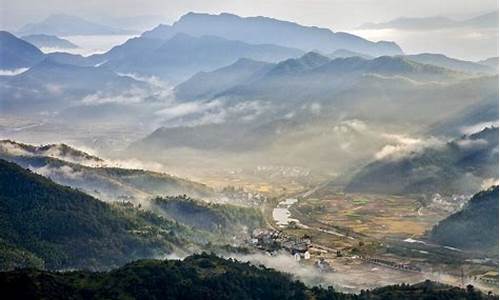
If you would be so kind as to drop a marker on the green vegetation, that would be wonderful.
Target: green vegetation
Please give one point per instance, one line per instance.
(475, 227)
(360, 202)
(43, 224)
(201, 276)
(212, 217)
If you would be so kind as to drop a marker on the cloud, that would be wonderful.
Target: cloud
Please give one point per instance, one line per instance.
(470, 144)
(315, 108)
(183, 109)
(210, 112)
(478, 127)
(345, 278)
(12, 72)
(347, 126)
(63, 171)
(133, 163)
(54, 89)
(152, 80)
(488, 182)
(131, 96)
(402, 145)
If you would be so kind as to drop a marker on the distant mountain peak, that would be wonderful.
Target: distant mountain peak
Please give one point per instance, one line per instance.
(486, 20)
(307, 61)
(266, 30)
(64, 25)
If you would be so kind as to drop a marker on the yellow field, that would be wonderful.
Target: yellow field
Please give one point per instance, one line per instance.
(375, 216)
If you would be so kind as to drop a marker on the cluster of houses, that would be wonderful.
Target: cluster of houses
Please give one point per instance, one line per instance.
(273, 241)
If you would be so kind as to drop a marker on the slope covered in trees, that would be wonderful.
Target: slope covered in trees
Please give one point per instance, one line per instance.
(475, 227)
(212, 217)
(199, 277)
(47, 225)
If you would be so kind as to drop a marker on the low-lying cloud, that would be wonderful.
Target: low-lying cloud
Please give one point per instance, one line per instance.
(12, 72)
(403, 145)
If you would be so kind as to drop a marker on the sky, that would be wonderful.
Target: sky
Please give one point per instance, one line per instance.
(345, 15)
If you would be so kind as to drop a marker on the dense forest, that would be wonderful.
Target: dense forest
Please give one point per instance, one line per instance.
(46, 225)
(475, 227)
(203, 276)
(212, 217)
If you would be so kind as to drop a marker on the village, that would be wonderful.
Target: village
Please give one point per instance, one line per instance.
(273, 241)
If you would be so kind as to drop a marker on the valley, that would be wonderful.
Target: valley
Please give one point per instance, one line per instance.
(375, 237)
(221, 156)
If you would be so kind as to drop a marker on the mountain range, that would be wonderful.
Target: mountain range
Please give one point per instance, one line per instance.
(291, 112)
(304, 77)
(263, 30)
(183, 55)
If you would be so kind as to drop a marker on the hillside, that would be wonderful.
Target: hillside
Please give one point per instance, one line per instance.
(47, 225)
(474, 228)
(17, 53)
(69, 166)
(60, 151)
(457, 167)
(183, 55)
(225, 219)
(201, 276)
(481, 113)
(205, 85)
(452, 63)
(313, 76)
(51, 85)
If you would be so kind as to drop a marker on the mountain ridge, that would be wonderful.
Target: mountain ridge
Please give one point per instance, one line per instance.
(278, 32)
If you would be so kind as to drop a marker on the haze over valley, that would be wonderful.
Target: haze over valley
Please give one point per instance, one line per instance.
(342, 160)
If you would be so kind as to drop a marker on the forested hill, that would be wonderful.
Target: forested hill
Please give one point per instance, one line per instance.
(46, 225)
(475, 227)
(199, 277)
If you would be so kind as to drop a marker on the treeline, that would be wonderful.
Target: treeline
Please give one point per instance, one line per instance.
(203, 276)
